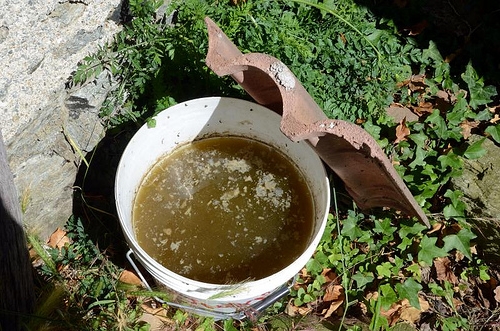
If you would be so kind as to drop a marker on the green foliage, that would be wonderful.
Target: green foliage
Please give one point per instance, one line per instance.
(95, 299)
(349, 60)
(385, 255)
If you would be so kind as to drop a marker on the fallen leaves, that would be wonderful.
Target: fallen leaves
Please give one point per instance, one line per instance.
(58, 239)
(128, 277)
(402, 131)
(444, 270)
(334, 295)
(497, 293)
(467, 127)
(403, 311)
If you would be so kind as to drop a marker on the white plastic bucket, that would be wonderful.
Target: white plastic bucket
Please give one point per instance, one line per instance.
(193, 120)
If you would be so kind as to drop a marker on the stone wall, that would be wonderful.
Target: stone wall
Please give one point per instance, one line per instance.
(479, 185)
(44, 124)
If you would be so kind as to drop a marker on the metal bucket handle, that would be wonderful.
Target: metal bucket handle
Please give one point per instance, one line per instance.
(252, 312)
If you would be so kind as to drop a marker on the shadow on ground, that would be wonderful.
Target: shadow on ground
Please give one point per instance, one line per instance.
(94, 200)
(463, 30)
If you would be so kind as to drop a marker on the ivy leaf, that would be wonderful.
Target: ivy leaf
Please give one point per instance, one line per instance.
(479, 94)
(362, 279)
(384, 227)
(440, 127)
(350, 227)
(384, 270)
(429, 251)
(454, 211)
(432, 52)
(229, 326)
(457, 207)
(314, 267)
(494, 131)
(409, 290)
(451, 160)
(388, 296)
(475, 150)
(460, 242)
(419, 138)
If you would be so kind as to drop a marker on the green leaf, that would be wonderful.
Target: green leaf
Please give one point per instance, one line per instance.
(415, 270)
(439, 123)
(479, 94)
(362, 279)
(432, 52)
(419, 138)
(409, 290)
(314, 267)
(452, 212)
(384, 227)
(350, 227)
(429, 251)
(475, 150)
(460, 242)
(451, 160)
(494, 132)
(387, 296)
(384, 270)
(420, 155)
(457, 207)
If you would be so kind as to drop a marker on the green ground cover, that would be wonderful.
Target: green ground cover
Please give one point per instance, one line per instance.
(371, 271)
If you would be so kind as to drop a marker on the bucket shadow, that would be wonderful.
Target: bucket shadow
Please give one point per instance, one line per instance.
(93, 200)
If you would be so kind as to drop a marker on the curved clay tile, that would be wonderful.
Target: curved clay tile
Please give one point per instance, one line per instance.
(346, 148)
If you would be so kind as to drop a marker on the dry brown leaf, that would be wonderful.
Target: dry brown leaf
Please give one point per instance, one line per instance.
(372, 295)
(343, 38)
(401, 3)
(128, 277)
(417, 29)
(444, 271)
(303, 311)
(495, 119)
(392, 314)
(412, 314)
(58, 239)
(332, 309)
(497, 293)
(291, 309)
(436, 227)
(334, 293)
(402, 131)
(473, 250)
(467, 127)
(397, 111)
(457, 303)
(160, 313)
(424, 107)
(330, 275)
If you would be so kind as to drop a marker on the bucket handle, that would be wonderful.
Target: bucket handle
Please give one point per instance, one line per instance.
(251, 312)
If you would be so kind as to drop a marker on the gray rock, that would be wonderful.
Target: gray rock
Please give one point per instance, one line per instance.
(48, 128)
(479, 184)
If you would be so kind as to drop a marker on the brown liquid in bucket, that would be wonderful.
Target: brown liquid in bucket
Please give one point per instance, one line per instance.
(224, 210)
